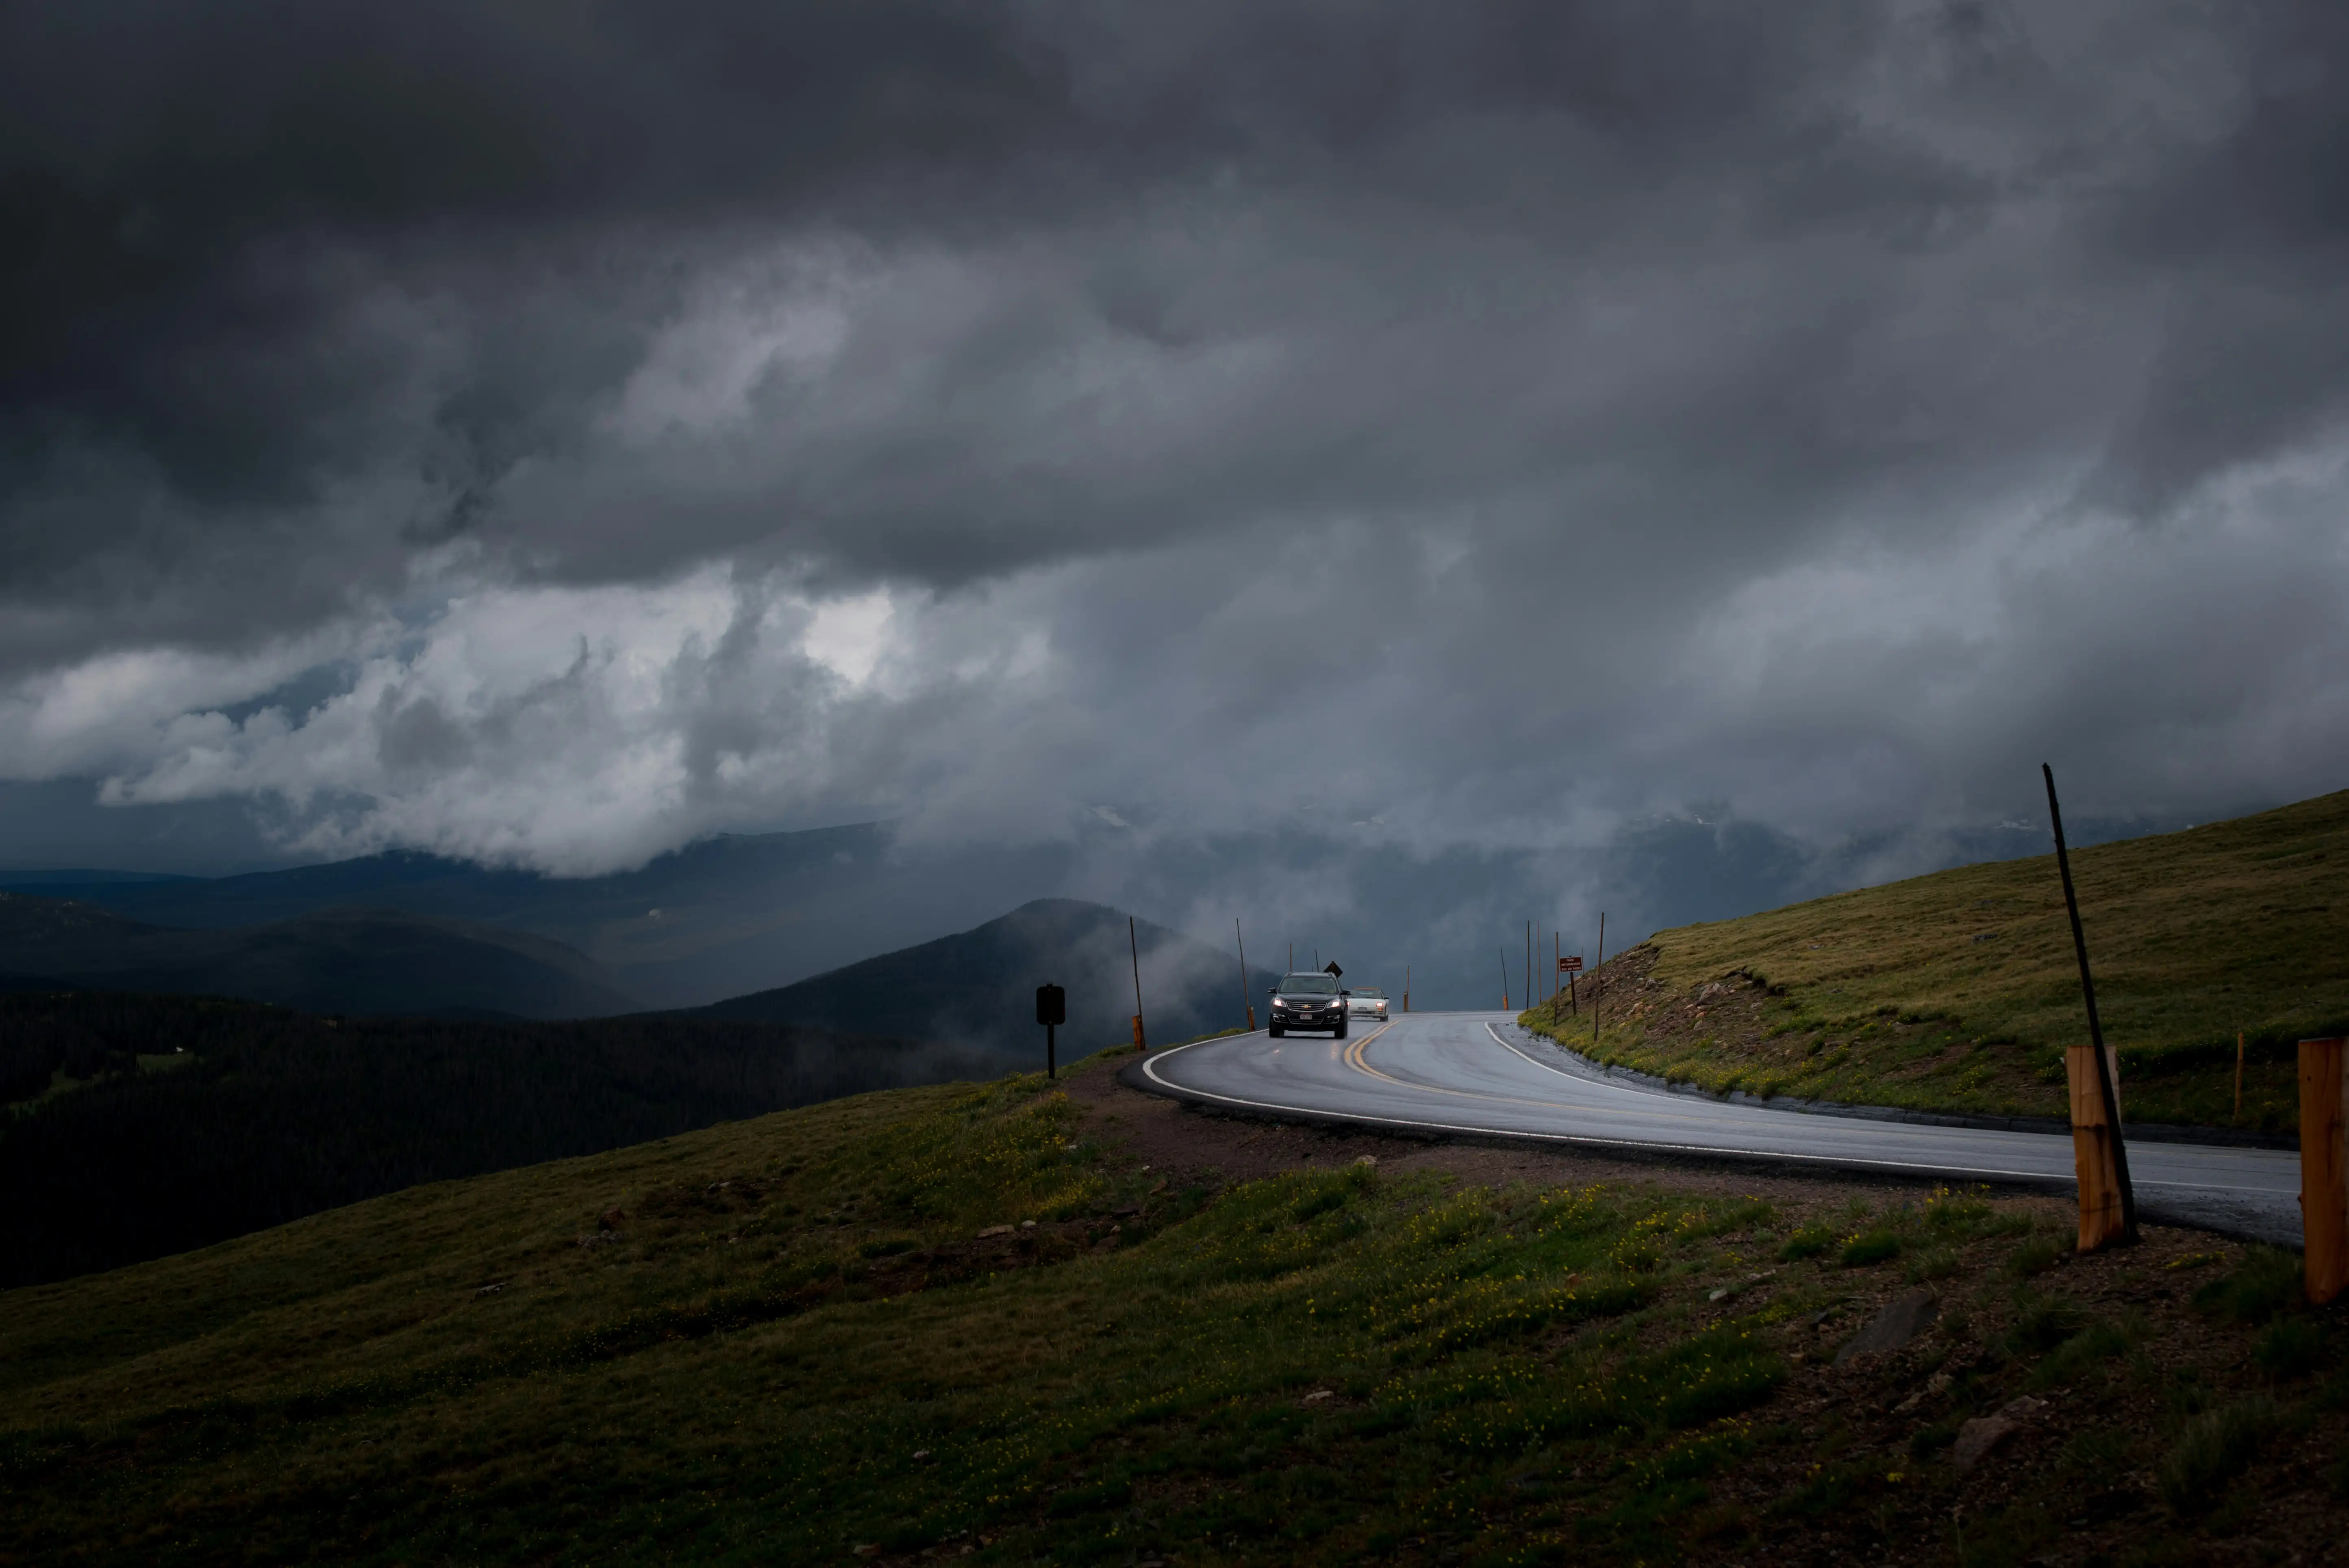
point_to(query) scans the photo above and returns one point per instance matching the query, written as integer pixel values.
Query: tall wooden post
(2324, 1172)
(2238, 1075)
(2096, 1141)
(1247, 998)
(1141, 1041)
(2107, 1199)
(1594, 973)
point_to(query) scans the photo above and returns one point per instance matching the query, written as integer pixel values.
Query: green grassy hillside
(1959, 990)
(947, 1322)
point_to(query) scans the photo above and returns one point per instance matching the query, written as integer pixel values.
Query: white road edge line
(1150, 1070)
(2015, 1132)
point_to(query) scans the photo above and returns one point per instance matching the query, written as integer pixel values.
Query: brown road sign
(1570, 965)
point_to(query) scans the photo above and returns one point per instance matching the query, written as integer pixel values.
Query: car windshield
(1310, 985)
(1367, 991)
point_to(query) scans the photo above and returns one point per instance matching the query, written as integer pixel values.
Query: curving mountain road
(1478, 1074)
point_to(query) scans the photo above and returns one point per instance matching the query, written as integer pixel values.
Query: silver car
(1366, 1002)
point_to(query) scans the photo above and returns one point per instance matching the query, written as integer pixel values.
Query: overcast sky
(551, 433)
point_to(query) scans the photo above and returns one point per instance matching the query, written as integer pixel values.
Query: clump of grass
(2032, 1258)
(2264, 1284)
(1933, 1263)
(2043, 1324)
(1870, 1247)
(1958, 1211)
(2213, 1450)
(2289, 1348)
(1746, 1214)
(1808, 1242)
(2088, 1348)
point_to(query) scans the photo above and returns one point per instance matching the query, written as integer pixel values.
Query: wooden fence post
(1134, 945)
(2324, 1172)
(2104, 1217)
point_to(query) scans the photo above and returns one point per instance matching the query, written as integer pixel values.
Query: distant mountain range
(977, 987)
(746, 912)
(726, 915)
(974, 988)
(329, 961)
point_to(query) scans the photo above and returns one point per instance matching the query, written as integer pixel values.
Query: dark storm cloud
(368, 262)
(1822, 410)
(258, 252)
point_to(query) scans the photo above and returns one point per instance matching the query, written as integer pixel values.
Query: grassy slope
(1959, 990)
(801, 1345)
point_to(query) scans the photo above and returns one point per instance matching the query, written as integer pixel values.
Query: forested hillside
(145, 1125)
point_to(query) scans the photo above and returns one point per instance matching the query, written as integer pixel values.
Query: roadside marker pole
(2107, 1199)
(1247, 999)
(2324, 1172)
(2238, 1075)
(1594, 976)
(1406, 987)
(1529, 965)
(1141, 1041)
(1505, 979)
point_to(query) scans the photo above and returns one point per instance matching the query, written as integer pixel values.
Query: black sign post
(1052, 1010)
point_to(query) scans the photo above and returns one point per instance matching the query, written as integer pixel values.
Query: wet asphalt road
(1477, 1073)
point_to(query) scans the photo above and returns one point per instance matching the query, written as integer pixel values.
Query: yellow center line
(1353, 1055)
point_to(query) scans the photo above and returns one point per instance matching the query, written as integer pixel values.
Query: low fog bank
(740, 914)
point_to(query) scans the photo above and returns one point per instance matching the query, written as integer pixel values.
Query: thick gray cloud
(550, 434)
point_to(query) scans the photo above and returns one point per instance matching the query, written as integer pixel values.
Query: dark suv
(1309, 1002)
